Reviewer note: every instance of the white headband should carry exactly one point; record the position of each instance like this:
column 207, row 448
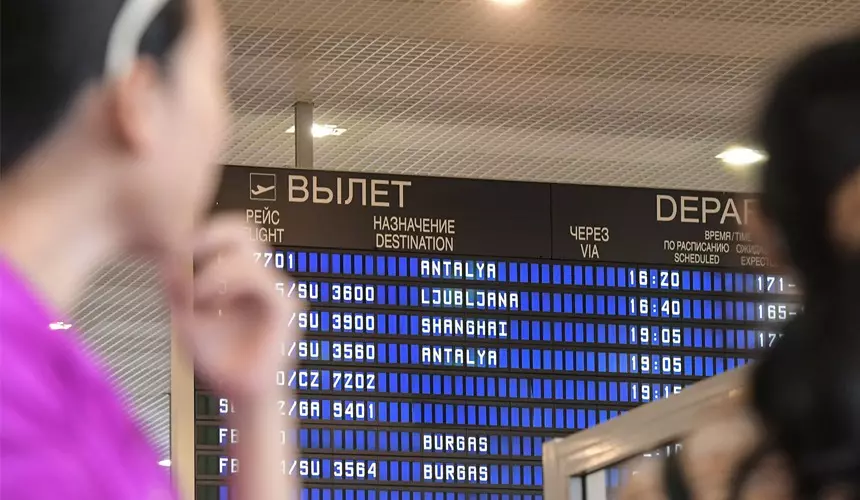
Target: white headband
column 128, row 29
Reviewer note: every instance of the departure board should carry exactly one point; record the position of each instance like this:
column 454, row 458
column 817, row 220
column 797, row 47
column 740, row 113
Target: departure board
column 455, row 325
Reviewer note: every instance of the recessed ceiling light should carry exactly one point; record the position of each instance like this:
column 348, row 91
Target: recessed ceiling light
column 739, row 156
column 320, row 130
column 511, row 3
column 59, row 325
column 164, row 463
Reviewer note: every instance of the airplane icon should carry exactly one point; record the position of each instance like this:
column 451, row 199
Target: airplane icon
column 260, row 190
column 263, row 187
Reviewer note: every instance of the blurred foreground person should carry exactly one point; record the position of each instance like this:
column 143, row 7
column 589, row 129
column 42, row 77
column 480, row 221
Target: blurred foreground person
column 797, row 435
column 113, row 112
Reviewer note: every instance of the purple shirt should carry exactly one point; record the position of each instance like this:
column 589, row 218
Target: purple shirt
column 64, row 430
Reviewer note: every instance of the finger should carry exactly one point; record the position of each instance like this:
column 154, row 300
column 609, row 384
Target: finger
column 176, row 273
column 223, row 235
column 233, row 280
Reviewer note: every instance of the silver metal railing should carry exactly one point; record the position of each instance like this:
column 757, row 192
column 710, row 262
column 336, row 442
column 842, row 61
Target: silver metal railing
column 591, row 464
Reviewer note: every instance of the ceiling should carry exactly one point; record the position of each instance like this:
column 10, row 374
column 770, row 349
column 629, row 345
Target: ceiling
column 620, row 92
column 123, row 318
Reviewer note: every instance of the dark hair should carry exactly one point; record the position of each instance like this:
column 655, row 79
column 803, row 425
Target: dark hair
column 51, row 49
column 807, row 388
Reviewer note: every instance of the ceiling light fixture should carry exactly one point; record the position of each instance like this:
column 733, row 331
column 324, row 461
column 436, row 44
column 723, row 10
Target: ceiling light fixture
column 739, row 156
column 59, row 325
column 319, row 131
column 164, row 463
column 510, row 3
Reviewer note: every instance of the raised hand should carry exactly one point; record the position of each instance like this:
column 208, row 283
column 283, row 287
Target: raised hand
column 234, row 320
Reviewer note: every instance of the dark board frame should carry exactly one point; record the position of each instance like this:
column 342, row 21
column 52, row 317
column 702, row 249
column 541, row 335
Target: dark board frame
column 467, row 217
column 463, row 218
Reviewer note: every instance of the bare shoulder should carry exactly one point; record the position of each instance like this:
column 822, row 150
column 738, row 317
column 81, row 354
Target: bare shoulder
column 710, row 458
column 643, row 482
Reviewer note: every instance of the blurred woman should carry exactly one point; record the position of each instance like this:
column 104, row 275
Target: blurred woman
column 798, row 435
column 112, row 113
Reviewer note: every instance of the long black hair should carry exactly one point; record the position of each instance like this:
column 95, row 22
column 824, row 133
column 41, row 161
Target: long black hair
column 51, row 49
column 806, row 390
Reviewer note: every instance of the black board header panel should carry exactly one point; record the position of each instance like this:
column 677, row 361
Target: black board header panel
column 651, row 226
column 394, row 213
column 430, row 215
